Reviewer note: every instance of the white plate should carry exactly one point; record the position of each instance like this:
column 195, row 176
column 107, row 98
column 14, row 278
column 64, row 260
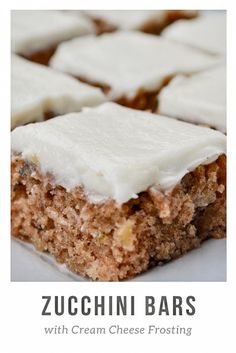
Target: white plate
column 207, row 264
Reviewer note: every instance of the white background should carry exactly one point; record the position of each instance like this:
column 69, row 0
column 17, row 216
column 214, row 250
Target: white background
column 21, row 327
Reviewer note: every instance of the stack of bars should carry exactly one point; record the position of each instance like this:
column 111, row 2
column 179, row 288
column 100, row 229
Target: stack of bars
column 118, row 141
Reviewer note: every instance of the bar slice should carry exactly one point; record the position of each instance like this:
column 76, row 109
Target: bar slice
column 39, row 93
column 199, row 99
column 207, row 32
column 149, row 21
column 35, row 34
column 131, row 67
column 120, row 191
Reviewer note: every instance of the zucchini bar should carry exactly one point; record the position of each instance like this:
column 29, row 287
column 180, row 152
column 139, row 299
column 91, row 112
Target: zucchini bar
column 207, row 32
column 130, row 67
column 199, row 99
column 113, row 191
column 39, row 93
column 35, row 34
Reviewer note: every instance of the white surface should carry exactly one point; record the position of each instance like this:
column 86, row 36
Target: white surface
column 33, row 30
column 205, row 32
column 208, row 263
column 131, row 19
column 128, row 61
column 117, row 152
column 36, row 89
column 200, row 98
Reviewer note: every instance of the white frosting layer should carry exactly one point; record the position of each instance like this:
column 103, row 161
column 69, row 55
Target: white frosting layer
column 128, row 61
column 33, row 30
column 200, row 98
column 36, row 89
column 206, row 32
column 131, row 19
column 115, row 151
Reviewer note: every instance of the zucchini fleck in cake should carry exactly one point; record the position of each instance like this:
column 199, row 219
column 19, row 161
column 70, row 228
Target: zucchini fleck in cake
column 207, row 32
column 112, row 191
column 199, row 99
column 35, row 34
column 130, row 67
column 149, row 21
column 39, row 93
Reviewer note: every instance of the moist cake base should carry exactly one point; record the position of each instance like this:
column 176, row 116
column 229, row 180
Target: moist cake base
column 42, row 56
column 151, row 27
column 142, row 100
column 108, row 242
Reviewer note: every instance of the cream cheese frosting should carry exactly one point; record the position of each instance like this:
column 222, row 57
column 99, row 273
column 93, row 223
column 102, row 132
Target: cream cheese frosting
column 200, row 98
column 132, row 19
column 36, row 89
column 207, row 32
column 128, row 61
column 34, row 30
column 117, row 152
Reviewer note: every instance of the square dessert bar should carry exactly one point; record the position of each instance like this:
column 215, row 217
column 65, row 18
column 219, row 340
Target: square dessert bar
column 39, row 93
column 35, row 34
column 207, row 32
column 130, row 67
column 120, row 191
column 149, row 21
column 199, row 99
